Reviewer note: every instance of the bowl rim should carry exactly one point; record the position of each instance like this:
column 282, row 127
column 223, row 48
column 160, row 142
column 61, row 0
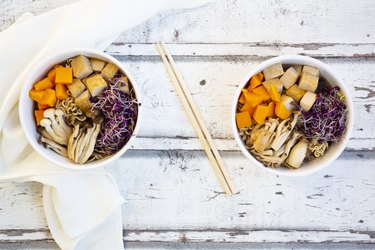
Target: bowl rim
column 303, row 60
column 46, row 64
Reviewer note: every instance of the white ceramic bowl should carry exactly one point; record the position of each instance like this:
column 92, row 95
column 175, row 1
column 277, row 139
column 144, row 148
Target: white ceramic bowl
column 334, row 150
column 26, row 108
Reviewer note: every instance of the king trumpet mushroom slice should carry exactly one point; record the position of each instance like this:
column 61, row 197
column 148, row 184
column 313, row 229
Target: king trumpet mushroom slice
column 297, row 154
column 308, row 101
column 308, row 82
column 289, row 77
column 273, row 71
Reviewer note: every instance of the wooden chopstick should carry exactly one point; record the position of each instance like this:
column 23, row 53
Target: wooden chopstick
column 196, row 119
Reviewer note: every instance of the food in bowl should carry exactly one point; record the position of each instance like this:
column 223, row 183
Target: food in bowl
column 85, row 109
column 288, row 114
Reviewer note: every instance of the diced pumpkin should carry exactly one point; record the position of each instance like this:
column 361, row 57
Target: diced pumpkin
column 281, row 111
column 52, row 73
column 252, row 98
column 42, row 107
column 260, row 76
column 49, row 98
column 260, row 114
column 242, row 99
column 248, row 107
column 43, row 84
column 64, row 75
column 271, row 109
column 36, row 95
column 243, row 119
column 61, row 91
column 39, row 115
column 254, row 82
column 274, row 93
column 261, row 90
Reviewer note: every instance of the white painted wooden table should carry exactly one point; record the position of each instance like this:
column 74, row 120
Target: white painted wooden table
column 172, row 197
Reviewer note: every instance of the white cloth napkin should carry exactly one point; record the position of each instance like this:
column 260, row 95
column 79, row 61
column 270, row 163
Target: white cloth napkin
column 83, row 209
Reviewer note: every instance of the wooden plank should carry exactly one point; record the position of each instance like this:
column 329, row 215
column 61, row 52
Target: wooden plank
column 180, row 192
column 255, row 50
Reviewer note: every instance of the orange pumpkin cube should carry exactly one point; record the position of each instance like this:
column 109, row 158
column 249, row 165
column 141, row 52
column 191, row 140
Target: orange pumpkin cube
column 243, row 119
column 254, row 82
column 260, row 114
column 42, row 107
column 248, row 107
column 261, row 90
column 43, row 84
column 64, row 75
column 61, row 91
column 39, row 115
column 271, row 109
column 274, row 93
column 241, row 99
column 52, row 73
column 252, row 98
column 49, row 98
column 281, row 111
column 36, row 95
column 260, row 76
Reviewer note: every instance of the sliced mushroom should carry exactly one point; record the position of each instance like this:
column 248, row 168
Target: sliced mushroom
column 283, row 131
column 297, row 154
column 295, row 136
column 47, row 124
column 90, row 146
column 52, row 145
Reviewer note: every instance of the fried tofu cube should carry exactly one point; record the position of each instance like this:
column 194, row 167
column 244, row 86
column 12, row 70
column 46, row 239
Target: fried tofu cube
column 308, row 101
column 81, row 67
column 83, row 101
column 96, row 84
column 273, row 71
column 76, row 88
column 298, row 68
column 64, row 75
column 295, row 92
column 97, row 65
column 308, row 82
column 109, row 71
column 311, row 70
column 289, row 77
column 276, row 82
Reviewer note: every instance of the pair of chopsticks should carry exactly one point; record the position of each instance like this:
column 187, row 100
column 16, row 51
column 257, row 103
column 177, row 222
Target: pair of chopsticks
column 196, row 119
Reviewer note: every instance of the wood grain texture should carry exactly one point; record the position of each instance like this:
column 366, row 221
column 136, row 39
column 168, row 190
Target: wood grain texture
column 172, row 198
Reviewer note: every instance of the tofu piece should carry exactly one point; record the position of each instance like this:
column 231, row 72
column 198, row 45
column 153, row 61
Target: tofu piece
column 273, row 71
column 76, row 88
column 97, row 65
column 288, row 102
column 295, row 92
column 308, row 101
column 109, row 71
column 311, row 70
column 308, row 82
column 83, row 101
column 81, row 67
column 96, row 84
column 277, row 82
column 289, row 77
column 298, row 68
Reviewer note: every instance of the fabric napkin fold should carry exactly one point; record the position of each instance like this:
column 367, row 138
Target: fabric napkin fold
column 83, row 208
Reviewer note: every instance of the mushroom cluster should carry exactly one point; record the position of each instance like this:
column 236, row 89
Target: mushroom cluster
column 276, row 143
column 77, row 144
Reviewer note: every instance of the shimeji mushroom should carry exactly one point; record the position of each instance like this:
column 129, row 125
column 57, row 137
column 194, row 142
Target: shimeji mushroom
column 48, row 143
column 50, row 114
column 46, row 123
column 60, row 119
